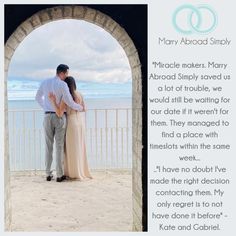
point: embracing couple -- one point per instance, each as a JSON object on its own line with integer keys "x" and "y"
{"x": 62, "y": 105}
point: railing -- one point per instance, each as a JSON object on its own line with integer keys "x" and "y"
{"x": 108, "y": 135}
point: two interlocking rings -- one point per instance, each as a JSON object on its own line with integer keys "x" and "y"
{"x": 194, "y": 19}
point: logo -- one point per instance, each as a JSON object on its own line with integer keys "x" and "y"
{"x": 188, "y": 19}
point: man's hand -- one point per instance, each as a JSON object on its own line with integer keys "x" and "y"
{"x": 52, "y": 97}
{"x": 84, "y": 107}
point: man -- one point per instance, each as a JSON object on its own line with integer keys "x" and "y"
{"x": 55, "y": 126}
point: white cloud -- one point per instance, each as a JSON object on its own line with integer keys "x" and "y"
{"x": 91, "y": 53}
{"x": 108, "y": 76}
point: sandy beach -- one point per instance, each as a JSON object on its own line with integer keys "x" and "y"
{"x": 103, "y": 203}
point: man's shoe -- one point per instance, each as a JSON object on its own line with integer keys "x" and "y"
{"x": 63, "y": 177}
{"x": 49, "y": 177}
{"x": 60, "y": 179}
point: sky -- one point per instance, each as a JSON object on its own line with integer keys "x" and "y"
{"x": 96, "y": 60}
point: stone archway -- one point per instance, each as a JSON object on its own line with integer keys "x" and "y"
{"x": 119, "y": 33}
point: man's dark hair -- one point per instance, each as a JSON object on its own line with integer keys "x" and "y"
{"x": 62, "y": 68}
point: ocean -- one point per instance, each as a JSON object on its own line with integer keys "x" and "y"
{"x": 108, "y": 133}
{"x": 91, "y": 103}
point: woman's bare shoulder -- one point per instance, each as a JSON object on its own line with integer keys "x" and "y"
{"x": 78, "y": 97}
{"x": 78, "y": 94}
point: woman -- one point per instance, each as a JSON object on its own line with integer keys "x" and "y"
{"x": 75, "y": 164}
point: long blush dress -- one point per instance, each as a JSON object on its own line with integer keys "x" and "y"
{"x": 75, "y": 163}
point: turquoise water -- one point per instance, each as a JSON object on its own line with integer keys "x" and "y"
{"x": 98, "y": 103}
{"x": 25, "y": 89}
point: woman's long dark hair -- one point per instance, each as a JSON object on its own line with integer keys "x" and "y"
{"x": 72, "y": 85}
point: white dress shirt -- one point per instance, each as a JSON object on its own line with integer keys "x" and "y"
{"x": 61, "y": 91}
